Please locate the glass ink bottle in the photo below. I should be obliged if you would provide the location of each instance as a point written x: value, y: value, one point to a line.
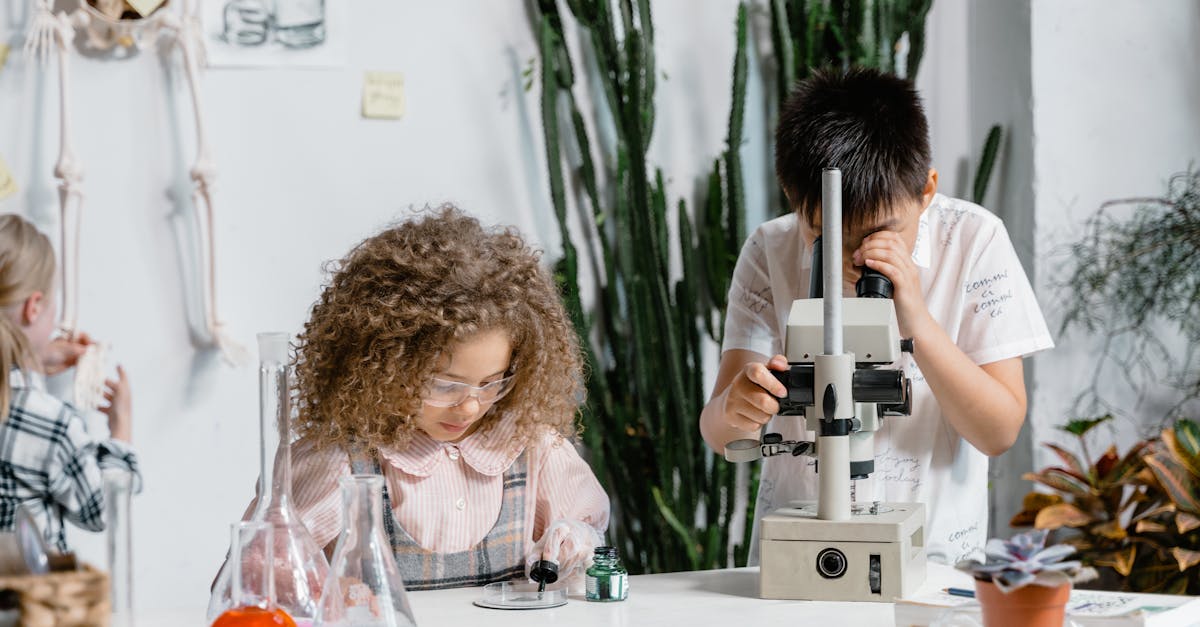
x: 607, y: 579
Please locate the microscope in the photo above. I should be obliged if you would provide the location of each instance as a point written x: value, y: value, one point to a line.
x: 838, y: 549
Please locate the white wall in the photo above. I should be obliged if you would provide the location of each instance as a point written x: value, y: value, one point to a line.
x: 1115, y: 89
x: 301, y: 179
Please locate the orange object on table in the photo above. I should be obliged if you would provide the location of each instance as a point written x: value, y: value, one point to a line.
x: 254, y: 617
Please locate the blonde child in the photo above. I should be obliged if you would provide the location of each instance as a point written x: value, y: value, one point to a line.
x: 440, y: 349
x: 48, y: 462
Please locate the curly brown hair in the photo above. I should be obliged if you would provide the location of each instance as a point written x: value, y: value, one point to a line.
x: 397, y: 301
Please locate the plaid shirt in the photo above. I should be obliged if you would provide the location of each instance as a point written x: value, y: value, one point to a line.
x: 51, y: 465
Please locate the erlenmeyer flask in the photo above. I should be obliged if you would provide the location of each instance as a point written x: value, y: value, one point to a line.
x: 364, y: 588
x: 252, y: 602
x: 300, y: 565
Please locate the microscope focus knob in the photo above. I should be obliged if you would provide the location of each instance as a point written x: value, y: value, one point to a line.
x: 906, y: 345
x: 739, y: 451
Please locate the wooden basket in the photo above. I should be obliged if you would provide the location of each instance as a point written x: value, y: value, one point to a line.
x: 77, y: 598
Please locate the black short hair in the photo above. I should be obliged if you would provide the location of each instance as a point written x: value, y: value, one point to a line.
x: 869, y: 124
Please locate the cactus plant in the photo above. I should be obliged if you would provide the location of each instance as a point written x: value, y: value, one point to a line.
x: 675, y: 502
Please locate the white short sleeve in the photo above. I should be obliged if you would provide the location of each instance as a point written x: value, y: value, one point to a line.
x: 1000, y: 315
x: 750, y: 322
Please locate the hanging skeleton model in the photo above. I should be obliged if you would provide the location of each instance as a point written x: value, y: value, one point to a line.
x: 51, y: 33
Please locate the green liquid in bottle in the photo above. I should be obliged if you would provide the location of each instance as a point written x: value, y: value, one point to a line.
x: 607, y: 579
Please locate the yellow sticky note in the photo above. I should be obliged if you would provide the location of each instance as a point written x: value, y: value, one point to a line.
x: 3, y: 55
x: 8, y: 184
x: 383, y: 95
x: 145, y: 7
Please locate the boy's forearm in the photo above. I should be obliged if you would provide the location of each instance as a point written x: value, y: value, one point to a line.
x: 980, y: 408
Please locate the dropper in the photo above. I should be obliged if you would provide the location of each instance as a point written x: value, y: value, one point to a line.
x: 543, y: 572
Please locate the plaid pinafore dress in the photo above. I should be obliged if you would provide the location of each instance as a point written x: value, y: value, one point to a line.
x: 499, y: 556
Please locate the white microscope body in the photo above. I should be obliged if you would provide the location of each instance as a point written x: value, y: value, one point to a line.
x: 834, y: 549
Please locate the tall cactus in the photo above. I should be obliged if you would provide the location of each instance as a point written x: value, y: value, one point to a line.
x: 645, y: 339
x: 644, y: 346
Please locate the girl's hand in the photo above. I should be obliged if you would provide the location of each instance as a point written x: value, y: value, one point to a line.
x: 120, y: 406
x: 886, y: 252
x: 64, y: 352
x: 570, y: 544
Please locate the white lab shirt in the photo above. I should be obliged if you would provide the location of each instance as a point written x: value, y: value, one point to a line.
x: 976, y: 289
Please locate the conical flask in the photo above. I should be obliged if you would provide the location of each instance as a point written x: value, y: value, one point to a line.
x: 300, y: 567
x: 364, y: 588
x: 252, y: 602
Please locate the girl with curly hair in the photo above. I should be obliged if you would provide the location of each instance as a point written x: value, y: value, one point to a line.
x: 440, y: 356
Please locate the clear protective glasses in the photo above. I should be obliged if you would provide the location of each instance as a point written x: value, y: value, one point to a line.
x: 443, y: 393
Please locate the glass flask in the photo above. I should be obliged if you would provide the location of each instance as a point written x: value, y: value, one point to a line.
x: 364, y: 588
x: 300, y: 567
x: 23, y: 551
x: 299, y: 23
x: 246, y: 22
x: 607, y: 579
x: 118, y: 487
x: 252, y: 602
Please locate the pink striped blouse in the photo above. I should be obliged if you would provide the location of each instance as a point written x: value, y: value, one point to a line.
x: 447, y: 495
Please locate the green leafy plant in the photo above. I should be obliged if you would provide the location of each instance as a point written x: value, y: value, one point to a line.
x: 1134, y: 517
x: 1134, y: 280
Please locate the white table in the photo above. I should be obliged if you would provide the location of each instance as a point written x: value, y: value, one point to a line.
x: 728, y: 598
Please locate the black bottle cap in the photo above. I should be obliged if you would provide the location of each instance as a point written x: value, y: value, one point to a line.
x: 544, y: 571
x: 606, y: 551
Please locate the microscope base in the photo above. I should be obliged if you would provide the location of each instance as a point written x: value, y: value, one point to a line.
x: 871, y: 557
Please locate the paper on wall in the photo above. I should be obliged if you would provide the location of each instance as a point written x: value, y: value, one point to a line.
x: 8, y: 184
x: 383, y: 95
x: 145, y: 7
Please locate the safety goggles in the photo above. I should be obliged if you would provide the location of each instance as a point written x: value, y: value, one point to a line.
x: 443, y: 393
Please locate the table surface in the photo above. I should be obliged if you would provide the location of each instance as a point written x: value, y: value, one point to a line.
x: 708, y: 597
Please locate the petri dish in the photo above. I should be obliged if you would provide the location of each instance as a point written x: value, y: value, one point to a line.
x: 521, y: 595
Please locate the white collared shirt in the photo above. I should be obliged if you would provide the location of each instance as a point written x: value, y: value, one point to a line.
x: 977, y: 291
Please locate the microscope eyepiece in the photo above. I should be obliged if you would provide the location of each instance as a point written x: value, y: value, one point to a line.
x: 873, y: 284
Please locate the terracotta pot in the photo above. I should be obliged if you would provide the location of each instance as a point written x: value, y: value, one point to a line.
x: 1030, y: 606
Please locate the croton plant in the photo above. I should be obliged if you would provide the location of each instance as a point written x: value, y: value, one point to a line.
x: 1136, y: 516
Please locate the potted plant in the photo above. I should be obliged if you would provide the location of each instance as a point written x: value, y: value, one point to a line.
x: 1135, y: 517
x: 1024, y: 582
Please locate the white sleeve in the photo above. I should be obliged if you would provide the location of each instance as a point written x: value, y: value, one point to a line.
x: 750, y: 322
x: 1000, y: 317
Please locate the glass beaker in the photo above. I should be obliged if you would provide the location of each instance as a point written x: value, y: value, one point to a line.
x: 364, y: 588
x: 118, y: 486
x: 252, y: 579
x: 300, y: 567
x: 246, y: 22
x: 299, y: 23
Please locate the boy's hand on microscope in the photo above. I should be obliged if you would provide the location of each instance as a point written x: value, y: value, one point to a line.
x: 64, y: 352
x: 887, y: 252
x: 754, y: 395
x: 120, y: 406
